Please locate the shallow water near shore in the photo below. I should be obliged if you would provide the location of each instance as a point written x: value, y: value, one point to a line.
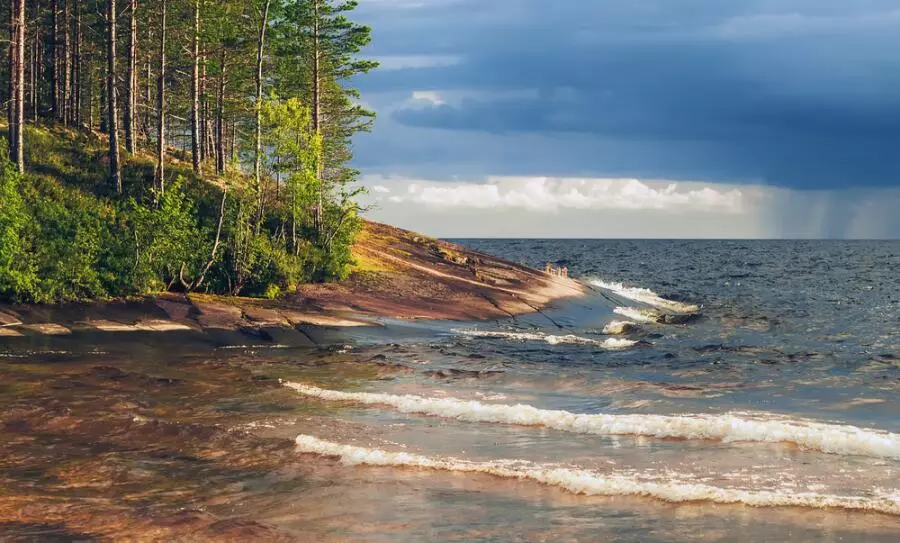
x: 770, y: 415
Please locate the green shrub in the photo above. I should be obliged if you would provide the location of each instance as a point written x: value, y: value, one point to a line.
x: 17, y: 276
x: 75, y: 242
x: 169, y: 244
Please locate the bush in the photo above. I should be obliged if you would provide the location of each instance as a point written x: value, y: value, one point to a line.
x: 256, y: 263
x: 169, y: 244
x: 17, y: 276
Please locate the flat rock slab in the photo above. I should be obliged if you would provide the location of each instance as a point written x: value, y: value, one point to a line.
x: 8, y: 319
x: 297, y: 318
x: 48, y: 329
x: 108, y: 326
x: 159, y: 325
x: 261, y: 316
x: 214, y: 315
x: 176, y: 310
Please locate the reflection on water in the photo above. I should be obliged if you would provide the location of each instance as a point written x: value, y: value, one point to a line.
x: 783, y: 394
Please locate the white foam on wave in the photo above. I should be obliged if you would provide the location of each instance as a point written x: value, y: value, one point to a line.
x: 645, y: 295
x: 592, y: 483
x: 569, y: 339
x: 638, y: 314
x: 824, y: 437
x: 618, y: 328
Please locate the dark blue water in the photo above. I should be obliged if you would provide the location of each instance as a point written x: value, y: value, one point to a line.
x: 823, y: 312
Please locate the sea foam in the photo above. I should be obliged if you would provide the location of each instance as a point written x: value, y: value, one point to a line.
x: 645, y: 295
x: 570, y: 339
x: 828, y: 438
x: 591, y: 483
x: 618, y: 328
x: 639, y: 314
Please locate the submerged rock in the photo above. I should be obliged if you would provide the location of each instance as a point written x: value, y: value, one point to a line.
x: 452, y: 373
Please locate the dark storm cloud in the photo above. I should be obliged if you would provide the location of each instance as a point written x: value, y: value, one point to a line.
x: 800, y: 93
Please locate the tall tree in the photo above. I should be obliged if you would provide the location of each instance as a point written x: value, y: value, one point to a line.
x: 112, y: 121
x: 17, y: 83
x: 161, y: 104
x: 131, y: 77
x: 257, y: 158
x: 195, y: 91
x: 37, y: 61
x: 220, y: 112
x: 66, y: 64
x: 319, y: 47
x: 77, y: 44
x: 54, y: 59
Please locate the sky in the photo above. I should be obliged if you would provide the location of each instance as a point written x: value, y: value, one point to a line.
x: 650, y: 118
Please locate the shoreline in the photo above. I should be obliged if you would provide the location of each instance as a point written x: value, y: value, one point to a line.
x: 400, y: 275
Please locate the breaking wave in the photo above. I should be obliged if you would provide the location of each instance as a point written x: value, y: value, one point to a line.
x: 570, y: 339
x: 647, y: 296
x: 828, y: 438
x: 591, y: 483
x: 618, y: 328
x: 638, y: 314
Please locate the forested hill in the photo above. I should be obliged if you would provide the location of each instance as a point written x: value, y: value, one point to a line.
x: 181, y: 145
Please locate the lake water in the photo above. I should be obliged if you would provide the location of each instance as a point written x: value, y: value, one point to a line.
x: 773, y: 414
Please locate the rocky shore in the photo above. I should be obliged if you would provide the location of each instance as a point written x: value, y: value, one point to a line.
x: 399, y: 275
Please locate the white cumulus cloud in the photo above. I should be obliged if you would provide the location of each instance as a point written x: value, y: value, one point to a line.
x: 550, y: 195
x: 431, y: 98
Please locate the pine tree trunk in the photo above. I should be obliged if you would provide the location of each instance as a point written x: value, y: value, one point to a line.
x: 206, y: 124
x: 90, y: 89
x: 148, y: 88
x: 161, y: 105
x: 317, y: 116
x: 102, y: 99
x: 195, y: 92
x: 112, y: 122
x: 66, y: 64
x: 202, y: 100
x: 37, y: 62
x: 76, y: 66
x: 257, y: 162
x: 131, y: 77
x: 31, y: 47
x: 220, y: 117
x: 16, y: 114
x: 232, y: 152
x: 54, y: 58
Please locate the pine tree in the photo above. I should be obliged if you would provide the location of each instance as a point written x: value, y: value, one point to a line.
x: 318, y: 47
x: 16, y: 113
x: 112, y: 122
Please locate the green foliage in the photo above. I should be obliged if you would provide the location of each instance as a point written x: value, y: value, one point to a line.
x: 66, y: 234
x: 338, y: 256
x: 293, y: 157
x: 169, y: 242
x: 75, y: 241
x: 17, y: 275
x: 255, y: 263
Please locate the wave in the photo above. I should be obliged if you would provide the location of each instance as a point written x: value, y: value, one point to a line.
x: 824, y: 437
x: 646, y: 296
x: 639, y: 314
x: 591, y: 483
x: 618, y: 328
x: 570, y: 339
